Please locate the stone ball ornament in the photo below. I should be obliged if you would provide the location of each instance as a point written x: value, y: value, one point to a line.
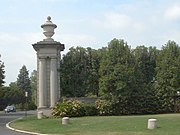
x: 48, y: 28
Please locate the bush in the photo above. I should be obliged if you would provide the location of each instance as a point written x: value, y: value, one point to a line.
x: 90, y: 109
x: 31, y: 106
x: 68, y: 108
x: 104, y: 107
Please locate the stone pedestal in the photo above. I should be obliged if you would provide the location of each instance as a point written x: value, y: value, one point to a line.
x: 65, y: 120
x: 39, y: 114
x: 48, y: 65
x: 152, y: 123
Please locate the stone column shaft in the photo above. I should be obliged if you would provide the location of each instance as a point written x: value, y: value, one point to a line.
x: 42, y: 83
x: 53, y: 82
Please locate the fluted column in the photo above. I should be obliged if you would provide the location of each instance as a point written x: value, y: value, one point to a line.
x: 53, y: 82
x: 42, y: 82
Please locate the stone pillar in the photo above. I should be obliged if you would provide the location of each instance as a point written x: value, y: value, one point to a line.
x: 48, y: 56
x: 42, y: 82
x: 53, y: 82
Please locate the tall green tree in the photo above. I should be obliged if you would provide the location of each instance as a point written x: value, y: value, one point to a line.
x: 117, y: 71
x: 168, y: 75
x: 145, y: 64
x: 79, y: 72
x: 93, y: 58
x: 3, y: 101
x: 23, y: 81
x: 33, y: 80
x: 2, y: 72
x: 74, y: 72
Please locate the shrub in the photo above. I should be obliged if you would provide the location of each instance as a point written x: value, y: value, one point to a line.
x: 90, y: 109
x: 31, y: 106
x: 104, y: 107
x: 68, y: 108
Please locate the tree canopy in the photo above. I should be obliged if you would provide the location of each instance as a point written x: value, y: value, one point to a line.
x: 2, y: 72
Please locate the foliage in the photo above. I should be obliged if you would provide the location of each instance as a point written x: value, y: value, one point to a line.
x: 117, y: 71
x: 168, y: 75
x: 133, y: 81
x: 31, y: 105
x: 79, y: 72
x: 23, y: 81
x: 68, y: 108
x: 11, y: 95
x: 104, y: 107
x: 2, y: 98
x: 90, y: 109
x: 2, y: 72
x: 33, y: 81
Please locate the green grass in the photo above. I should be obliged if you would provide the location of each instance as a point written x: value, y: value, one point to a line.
x: 168, y: 124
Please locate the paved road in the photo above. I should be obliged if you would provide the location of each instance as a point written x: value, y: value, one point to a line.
x: 7, y: 117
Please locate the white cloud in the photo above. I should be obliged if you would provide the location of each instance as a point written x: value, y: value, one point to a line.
x: 173, y: 12
x: 16, y: 51
x: 117, y: 21
x: 71, y: 40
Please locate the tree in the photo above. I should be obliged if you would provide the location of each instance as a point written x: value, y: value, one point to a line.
x: 15, y: 95
x: 145, y: 64
x: 2, y: 72
x: 117, y: 80
x: 33, y: 80
x: 93, y: 58
x: 79, y: 72
x: 168, y: 75
x: 74, y: 73
x: 3, y: 102
x: 23, y: 81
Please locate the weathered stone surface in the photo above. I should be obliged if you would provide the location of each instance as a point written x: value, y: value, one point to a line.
x: 65, y: 120
x: 48, y: 64
x: 152, y: 123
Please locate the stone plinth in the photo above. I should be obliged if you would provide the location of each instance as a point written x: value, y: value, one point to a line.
x: 39, y: 114
x: 65, y: 120
x: 152, y: 123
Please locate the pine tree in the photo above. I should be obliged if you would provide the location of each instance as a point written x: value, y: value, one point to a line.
x: 23, y: 81
x: 2, y: 72
x: 33, y: 80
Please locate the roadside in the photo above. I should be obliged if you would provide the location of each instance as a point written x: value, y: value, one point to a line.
x: 8, y: 117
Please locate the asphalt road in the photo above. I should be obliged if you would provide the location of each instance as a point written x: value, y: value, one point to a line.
x: 7, y: 117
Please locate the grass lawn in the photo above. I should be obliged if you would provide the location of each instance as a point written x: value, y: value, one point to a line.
x: 168, y: 124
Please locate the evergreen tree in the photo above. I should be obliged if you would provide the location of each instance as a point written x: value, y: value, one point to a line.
x: 23, y: 81
x: 2, y: 72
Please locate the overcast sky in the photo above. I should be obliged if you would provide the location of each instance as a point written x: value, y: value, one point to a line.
x: 86, y: 23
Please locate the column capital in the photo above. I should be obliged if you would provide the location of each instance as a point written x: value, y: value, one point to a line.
x: 53, y: 57
x: 42, y: 57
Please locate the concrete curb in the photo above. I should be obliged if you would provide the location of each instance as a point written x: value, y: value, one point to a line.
x: 22, y: 131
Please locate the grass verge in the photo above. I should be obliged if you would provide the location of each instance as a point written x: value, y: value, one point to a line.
x: 168, y: 124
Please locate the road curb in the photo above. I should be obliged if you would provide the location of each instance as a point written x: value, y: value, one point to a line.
x: 21, y: 131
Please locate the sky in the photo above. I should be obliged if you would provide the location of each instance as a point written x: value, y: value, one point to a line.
x: 86, y: 23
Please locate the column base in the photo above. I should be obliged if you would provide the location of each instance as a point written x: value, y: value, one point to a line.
x: 42, y: 107
x: 46, y: 111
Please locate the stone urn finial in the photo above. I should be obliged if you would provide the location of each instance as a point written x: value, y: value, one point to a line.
x: 48, y: 28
